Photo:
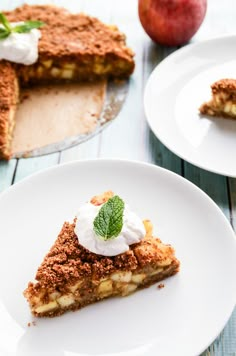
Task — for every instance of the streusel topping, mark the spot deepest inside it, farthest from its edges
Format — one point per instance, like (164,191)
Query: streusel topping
(72,35)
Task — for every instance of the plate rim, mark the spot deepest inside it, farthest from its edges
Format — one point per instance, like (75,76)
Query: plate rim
(119,161)
(157,68)
(177,177)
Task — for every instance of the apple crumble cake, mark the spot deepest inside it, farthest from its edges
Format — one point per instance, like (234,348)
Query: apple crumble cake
(223,101)
(71,277)
(72,47)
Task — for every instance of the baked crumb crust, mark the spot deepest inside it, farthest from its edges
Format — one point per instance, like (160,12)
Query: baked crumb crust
(72,35)
(226,85)
(9,97)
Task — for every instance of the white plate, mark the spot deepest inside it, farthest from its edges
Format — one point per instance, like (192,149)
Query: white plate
(174,92)
(181,319)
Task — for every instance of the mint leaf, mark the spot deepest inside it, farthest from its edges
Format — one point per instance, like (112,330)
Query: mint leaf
(3,33)
(27,26)
(4,21)
(109,221)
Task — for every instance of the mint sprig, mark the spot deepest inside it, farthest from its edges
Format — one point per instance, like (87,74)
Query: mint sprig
(3,33)
(109,221)
(25,27)
(4,21)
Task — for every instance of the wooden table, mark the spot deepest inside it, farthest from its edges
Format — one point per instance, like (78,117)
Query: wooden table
(129,136)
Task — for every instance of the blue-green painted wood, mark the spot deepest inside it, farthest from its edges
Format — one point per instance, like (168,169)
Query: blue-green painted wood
(213,184)
(28,166)
(7,170)
(155,151)
(232,193)
(225,344)
(123,138)
(89,149)
(217,187)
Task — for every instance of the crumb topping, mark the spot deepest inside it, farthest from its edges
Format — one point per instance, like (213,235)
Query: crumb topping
(68,261)
(224,85)
(72,35)
(223,100)
(7,85)
(102,198)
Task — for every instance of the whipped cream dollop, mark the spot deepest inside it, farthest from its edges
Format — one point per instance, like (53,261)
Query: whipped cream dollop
(20,47)
(133,231)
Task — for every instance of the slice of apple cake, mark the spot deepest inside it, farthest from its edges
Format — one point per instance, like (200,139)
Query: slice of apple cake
(72,276)
(223,101)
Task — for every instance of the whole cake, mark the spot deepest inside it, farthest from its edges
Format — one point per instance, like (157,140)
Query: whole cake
(72,47)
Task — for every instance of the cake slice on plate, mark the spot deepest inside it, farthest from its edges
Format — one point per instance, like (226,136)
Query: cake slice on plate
(223,101)
(107,251)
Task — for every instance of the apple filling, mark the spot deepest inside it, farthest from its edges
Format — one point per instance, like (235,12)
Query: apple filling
(223,103)
(220,105)
(88,69)
(85,292)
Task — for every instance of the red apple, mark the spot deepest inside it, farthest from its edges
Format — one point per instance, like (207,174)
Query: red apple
(171,22)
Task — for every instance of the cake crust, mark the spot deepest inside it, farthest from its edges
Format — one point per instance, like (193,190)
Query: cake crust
(72,35)
(9,97)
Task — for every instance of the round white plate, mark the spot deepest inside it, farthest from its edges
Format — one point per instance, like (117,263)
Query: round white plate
(181,319)
(174,92)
